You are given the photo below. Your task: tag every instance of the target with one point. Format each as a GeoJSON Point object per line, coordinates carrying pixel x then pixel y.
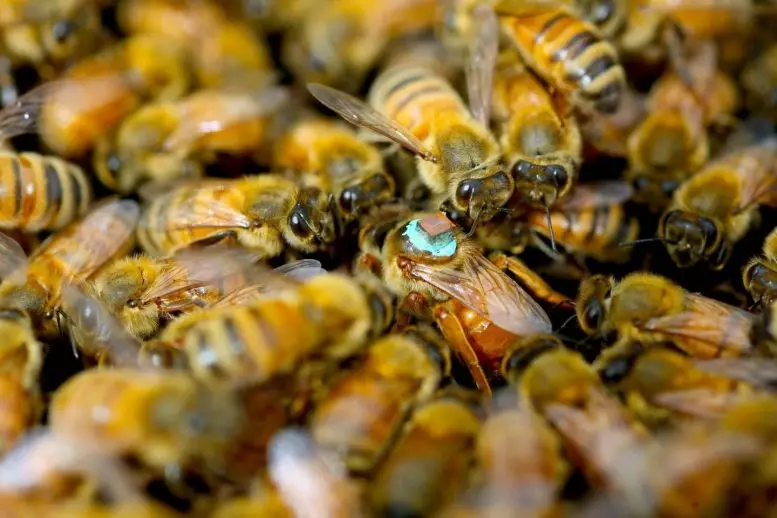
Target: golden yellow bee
{"type": "Point", "coordinates": [41, 192]}
{"type": "Point", "coordinates": [264, 214]}
{"type": "Point", "coordinates": [70, 256]}
{"type": "Point", "coordinates": [648, 309]}
{"type": "Point", "coordinates": [361, 412]}
{"type": "Point", "coordinates": [711, 211]}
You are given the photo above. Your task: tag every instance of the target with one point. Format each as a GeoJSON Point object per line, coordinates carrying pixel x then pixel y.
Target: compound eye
{"type": "Point", "coordinates": [465, 191]}
{"type": "Point", "coordinates": [641, 183]}
{"type": "Point", "coordinates": [594, 315]}
{"type": "Point", "coordinates": [63, 30]}
{"type": "Point", "coordinates": [114, 163]}
{"type": "Point", "coordinates": [299, 226]}
{"type": "Point", "coordinates": [558, 174]}
{"type": "Point", "coordinates": [668, 187]}
{"type": "Point", "coordinates": [709, 229]}
{"type": "Point", "coordinates": [348, 199]}
{"type": "Point", "coordinates": [522, 168]}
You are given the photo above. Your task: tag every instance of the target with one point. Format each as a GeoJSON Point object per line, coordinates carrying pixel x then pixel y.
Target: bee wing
{"type": "Point", "coordinates": [313, 483]}
{"type": "Point", "coordinates": [23, 115]}
{"type": "Point", "coordinates": [761, 372]}
{"type": "Point", "coordinates": [361, 114]}
{"type": "Point", "coordinates": [91, 325]}
{"type": "Point", "coordinates": [708, 321]}
{"type": "Point", "coordinates": [13, 260]}
{"type": "Point", "coordinates": [87, 244]}
{"type": "Point", "coordinates": [225, 109]}
{"type": "Point", "coordinates": [595, 195]}
{"type": "Point", "coordinates": [172, 279]}
{"type": "Point", "coordinates": [482, 60]}
{"type": "Point", "coordinates": [216, 214]}
{"type": "Point", "coordinates": [757, 168]}
{"type": "Point", "coordinates": [487, 290]}
{"type": "Point", "coordinates": [302, 269]}
{"type": "Point", "coordinates": [701, 403]}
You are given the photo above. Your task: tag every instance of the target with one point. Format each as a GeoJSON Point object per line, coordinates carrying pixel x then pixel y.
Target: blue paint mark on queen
{"type": "Point", "coordinates": [440, 245]}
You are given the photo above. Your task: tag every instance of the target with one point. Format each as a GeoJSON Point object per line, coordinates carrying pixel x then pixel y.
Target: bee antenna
{"type": "Point", "coordinates": [642, 241]}
{"type": "Point", "coordinates": [550, 229]}
{"type": "Point", "coordinates": [566, 322]}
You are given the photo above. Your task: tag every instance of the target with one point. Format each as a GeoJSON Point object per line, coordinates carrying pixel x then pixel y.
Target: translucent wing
{"type": "Point", "coordinates": [757, 168]}
{"type": "Point", "coordinates": [13, 260]}
{"type": "Point", "coordinates": [761, 372]}
{"type": "Point", "coordinates": [302, 269]}
{"type": "Point", "coordinates": [195, 213]}
{"type": "Point", "coordinates": [714, 326]}
{"type": "Point", "coordinates": [595, 195]}
{"type": "Point", "coordinates": [93, 328]}
{"type": "Point", "coordinates": [172, 280]}
{"type": "Point", "coordinates": [85, 245]}
{"type": "Point", "coordinates": [361, 114]}
{"type": "Point", "coordinates": [482, 60]}
{"type": "Point", "coordinates": [700, 403]}
{"type": "Point", "coordinates": [213, 111]}
{"type": "Point", "coordinates": [487, 290]}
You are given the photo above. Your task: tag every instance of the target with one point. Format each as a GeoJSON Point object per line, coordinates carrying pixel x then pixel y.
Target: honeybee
{"type": "Point", "coordinates": [337, 43]}
{"type": "Point", "coordinates": [264, 214]}
{"type": "Point", "coordinates": [711, 211]}
{"type": "Point", "coordinates": [591, 221]}
{"type": "Point", "coordinates": [672, 142]}
{"type": "Point", "coordinates": [426, 261]}
{"type": "Point", "coordinates": [649, 309]}
{"type": "Point", "coordinates": [41, 192]}
{"type": "Point", "coordinates": [71, 255]}
{"type": "Point", "coordinates": [521, 467]}
{"type": "Point", "coordinates": [541, 141]}
{"type": "Point", "coordinates": [163, 418]}
{"type": "Point", "coordinates": [397, 373]}
{"type": "Point", "coordinates": [176, 19]}
{"type": "Point", "coordinates": [760, 274]}
{"type": "Point", "coordinates": [435, 448]}
{"type": "Point", "coordinates": [758, 81]}
{"type": "Point", "coordinates": [21, 359]}
{"type": "Point", "coordinates": [329, 157]}
{"type": "Point", "coordinates": [171, 140]}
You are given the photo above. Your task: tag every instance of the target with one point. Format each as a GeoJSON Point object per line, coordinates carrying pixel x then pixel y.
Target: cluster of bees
{"type": "Point", "coordinates": [558, 298]}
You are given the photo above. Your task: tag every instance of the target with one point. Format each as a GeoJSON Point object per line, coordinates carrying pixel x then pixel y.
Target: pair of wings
{"type": "Point", "coordinates": [487, 290]}
{"type": "Point", "coordinates": [81, 247]}
{"type": "Point", "coordinates": [480, 74]}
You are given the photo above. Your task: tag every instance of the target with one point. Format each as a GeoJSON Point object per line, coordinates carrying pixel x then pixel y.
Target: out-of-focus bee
{"type": "Point", "coordinates": [608, 134]}
{"type": "Point", "coordinates": [397, 373]}
{"type": "Point", "coordinates": [521, 467]}
{"type": "Point", "coordinates": [337, 43]}
{"type": "Point", "coordinates": [436, 449]}
{"type": "Point", "coordinates": [71, 255]}
{"type": "Point", "coordinates": [423, 51]}
{"type": "Point", "coordinates": [427, 262]}
{"type": "Point", "coordinates": [458, 158]}
{"type": "Point", "coordinates": [672, 143]}
{"type": "Point", "coordinates": [759, 83]}
{"type": "Point", "coordinates": [568, 52]}
{"type": "Point", "coordinates": [180, 20]}
{"type": "Point", "coordinates": [331, 158]}
{"type": "Point", "coordinates": [540, 140]}
{"type": "Point", "coordinates": [165, 419]}
{"type": "Point", "coordinates": [591, 221]}
{"type": "Point", "coordinates": [264, 214]}
{"type": "Point", "coordinates": [714, 209]}
{"type": "Point", "coordinates": [648, 309]}
{"type": "Point", "coordinates": [760, 274]}
{"type": "Point", "coordinates": [167, 141]}
{"type": "Point", "coordinates": [659, 383]}
{"type": "Point", "coordinates": [559, 385]}
{"type": "Point", "coordinates": [41, 192]}
{"type": "Point", "coordinates": [263, 500]}
{"type": "Point", "coordinates": [21, 358]}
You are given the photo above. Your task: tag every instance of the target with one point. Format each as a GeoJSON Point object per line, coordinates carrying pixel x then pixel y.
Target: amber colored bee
{"type": "Point", "coordinates": [362, 411]}
{"type": "Point", "coordinates": [568, 52]}
{"type": "Point", "coordinates": [337, 43]}
{"type": "Point", "coordinates": [541, 141]}
{"type": "Point", "coordinates": [163, 418]}
{"type": "Point", "coordinates": [71, 255]}
{"type": "Point", "coordinates": [591, 221]}
{"type": "Point", "coordinates": [427, 262]}
{"type": "Point", "coordinates": [559, 385]}
{"type": "Point", "coordinates": [331, 158]}
{"type": "Point", "coordinates": [711, 211]}
{"type": "Point", "coordinates": [172, 140]}
{"type": "Point", "coordinates": [435, 449]}
{"type": "Point", "coordinates": [649, 309]}
{"type": "Point", "coordinates": [760, 274]}
{"type": "Point", "coordinates": [264, 214]}
{"type": "Point", "coordinates": [176, 19]}
{"type": "Point", "coordinates": [672, 142]}
{"type": "Point", "coordinates": [41, 192]}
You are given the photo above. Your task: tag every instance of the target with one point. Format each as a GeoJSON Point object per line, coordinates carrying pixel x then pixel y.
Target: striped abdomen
{"type": "Point", "coordinates": [40, 192]}
{"type": "Point", "coordinates": [250, 343]}
{"type": "Point", "coordinates": [596, 232]}
{"type": "Point", "coordinates": [417, 99]}
{"type": "Point", "coordinates": [180, 218]}
{"type": "Point", "coordinates": [570, 54]}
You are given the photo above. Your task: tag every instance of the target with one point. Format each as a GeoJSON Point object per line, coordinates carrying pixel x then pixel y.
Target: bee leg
{"type": "Point", "coordinates": [368, 264]}
{"type": "Point", "coordinates": [412, 306]}
{"type": "Point", "coordinates": [530, 280]}
{"type": "Point", "coordinates": [454, 333]}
